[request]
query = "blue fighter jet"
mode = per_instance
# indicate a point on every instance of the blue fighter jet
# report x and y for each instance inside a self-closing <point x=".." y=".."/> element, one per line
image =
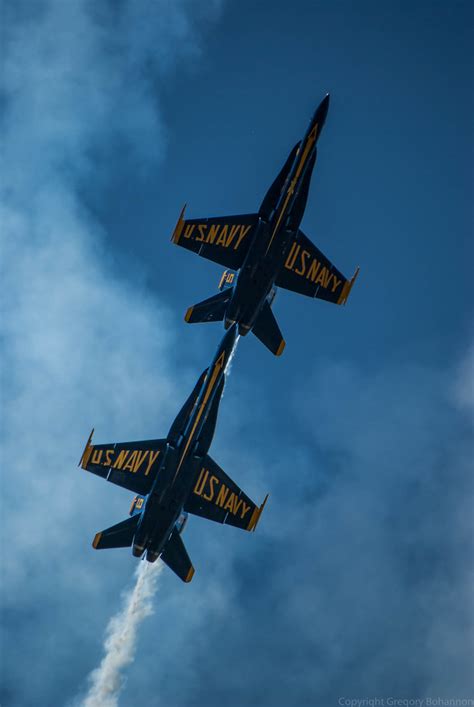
<point x="173" y="477"/>
<point x="268" y="249"/>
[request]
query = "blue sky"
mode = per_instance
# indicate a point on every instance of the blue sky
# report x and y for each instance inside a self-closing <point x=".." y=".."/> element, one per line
<point x="359" y="580"/>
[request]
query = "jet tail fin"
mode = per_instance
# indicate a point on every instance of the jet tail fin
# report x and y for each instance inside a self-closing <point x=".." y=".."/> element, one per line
<point x="120" y="535"/>
<point x="209" y="310"/>
<point x="267" y="330"/>
<point x="176" y="557"/>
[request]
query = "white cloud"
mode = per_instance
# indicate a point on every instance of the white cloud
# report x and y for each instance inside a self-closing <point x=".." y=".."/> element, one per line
<point x="463" y="388"/>
<point x="363" y="550"/>
<point x="82" y="344"/>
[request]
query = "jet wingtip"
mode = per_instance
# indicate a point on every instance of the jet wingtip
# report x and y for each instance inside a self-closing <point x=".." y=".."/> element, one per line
<point x="260" y="510"/>
<point x="87" y="451"/>
<point x="280" y="348"/>
<point x="190" y="574"/>
<point x="346" y="290"/>
<point x="256" y="515"/>
<point x="96" y="541"/>
<point x="179" y="227"/>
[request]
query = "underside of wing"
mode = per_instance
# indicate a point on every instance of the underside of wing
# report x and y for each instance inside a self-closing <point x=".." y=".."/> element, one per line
<point x="223" y="239"/>
<point x="307" y="271"/>
<point x="216" y="497"/>
<point x="132" y="465"/>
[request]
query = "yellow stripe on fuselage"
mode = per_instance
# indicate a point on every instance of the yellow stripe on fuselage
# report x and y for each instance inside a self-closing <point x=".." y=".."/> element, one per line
<point x="309" y="144"/>
<point x="212" y="381"/>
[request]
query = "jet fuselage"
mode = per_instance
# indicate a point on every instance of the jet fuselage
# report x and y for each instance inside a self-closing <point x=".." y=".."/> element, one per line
<point x="188" y="442"/>
<point x="280" y="215"/>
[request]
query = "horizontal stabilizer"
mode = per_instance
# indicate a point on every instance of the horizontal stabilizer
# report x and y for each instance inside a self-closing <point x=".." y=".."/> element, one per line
<point x="267" y="330"/>
<point x="120" y="535"/>
<point x="216" y="497"/>
<point x="209" y="310"/>
<point x="175" y="556"/>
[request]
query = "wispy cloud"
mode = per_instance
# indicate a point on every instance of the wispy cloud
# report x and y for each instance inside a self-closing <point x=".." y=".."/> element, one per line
<point x="360" y="575"/>
<point x="80" y="345"/>
<point x="359" y="580"/>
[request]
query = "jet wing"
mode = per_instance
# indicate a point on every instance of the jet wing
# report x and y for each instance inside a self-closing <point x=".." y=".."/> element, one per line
<point x="307" y="271"/>
<point x="216" y="497"/>
<point x="132" y="465"/>
<point x="223" y="239"/>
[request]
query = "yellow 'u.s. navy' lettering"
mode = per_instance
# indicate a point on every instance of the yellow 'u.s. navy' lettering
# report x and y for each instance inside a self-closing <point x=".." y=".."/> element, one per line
<point x="151" y="461"/>
<point x="223" y="235"/>
<point x="126" y="459"/>
<point x="206" y="487"/>
<point x="302" y="263"/>
<point x="96" y="456"/>
<point x="222" y="495"/>
<point x="210" y="494"/>
<point x="200" y="482"/>
<point x="108" y="457"/>
<point x="120" y="461"/>
<point x="130" y="465"/>
<point x="141" y="456"/>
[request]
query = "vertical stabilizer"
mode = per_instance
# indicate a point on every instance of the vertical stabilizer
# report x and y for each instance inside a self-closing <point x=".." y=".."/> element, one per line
<point x="175" y="556"/>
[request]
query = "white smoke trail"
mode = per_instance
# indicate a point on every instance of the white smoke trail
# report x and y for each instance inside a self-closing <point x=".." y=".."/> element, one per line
<point x="231" y="357"/>
<point x="121" y="637"/>
<point x="121" y="633"/>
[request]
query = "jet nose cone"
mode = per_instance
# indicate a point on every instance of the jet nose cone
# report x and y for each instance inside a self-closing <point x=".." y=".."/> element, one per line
<point x="319" y="117"/>
<point x="323" y="108"/>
